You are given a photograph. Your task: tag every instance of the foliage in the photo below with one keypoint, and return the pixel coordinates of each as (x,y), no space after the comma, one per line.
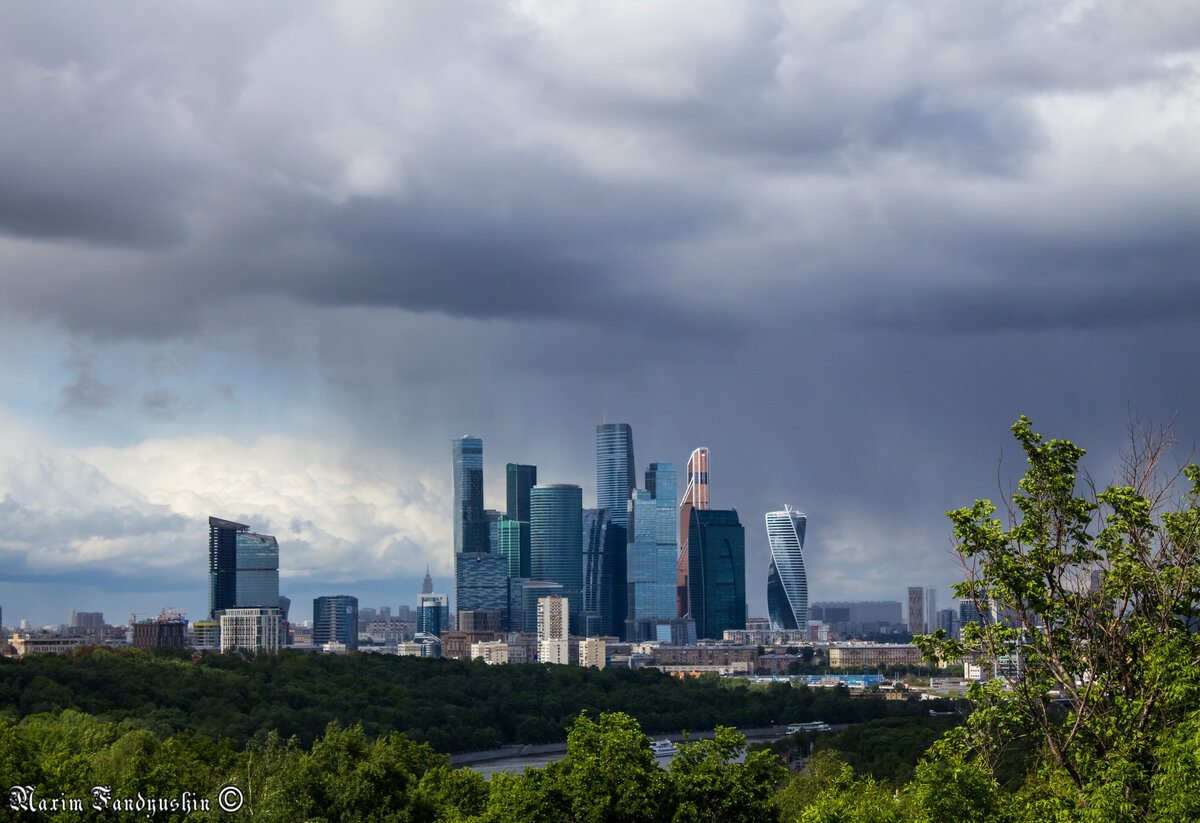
(1092,602)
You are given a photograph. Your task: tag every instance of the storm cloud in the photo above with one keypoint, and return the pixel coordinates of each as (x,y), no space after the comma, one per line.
(842,246)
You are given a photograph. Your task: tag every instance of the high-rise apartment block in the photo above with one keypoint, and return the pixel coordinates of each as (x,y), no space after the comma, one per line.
(553,615)
(251,629)
(335,620)
(916,610)
(716,571)
(787,581)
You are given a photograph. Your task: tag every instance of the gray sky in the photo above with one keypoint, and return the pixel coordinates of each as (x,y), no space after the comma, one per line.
(264,262)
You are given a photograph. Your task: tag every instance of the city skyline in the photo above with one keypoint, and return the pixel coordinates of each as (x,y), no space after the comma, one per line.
(266,264)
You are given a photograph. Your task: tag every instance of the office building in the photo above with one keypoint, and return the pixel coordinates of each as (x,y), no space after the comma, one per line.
(604,574)
(481,582)
(335,620)
(695,497)
(661,483)
(615,479)
(470,523)
(433,614)
(916,610)
(552,630)
(519,481)
(716,572)
(251,629)
(931,609)
(510,545)
(556,538)
(787,582)
(166,630)
(243,568)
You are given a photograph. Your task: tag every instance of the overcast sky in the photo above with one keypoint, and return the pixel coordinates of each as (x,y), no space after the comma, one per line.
(264,261)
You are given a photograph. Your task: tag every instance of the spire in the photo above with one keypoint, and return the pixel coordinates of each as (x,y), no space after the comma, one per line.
(427,585)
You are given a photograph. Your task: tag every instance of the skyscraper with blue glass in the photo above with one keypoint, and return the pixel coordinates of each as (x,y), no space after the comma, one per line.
(519,479)
(243,568)
(470,523)
(556,538)
(335,620)
(787,581)
(615,479)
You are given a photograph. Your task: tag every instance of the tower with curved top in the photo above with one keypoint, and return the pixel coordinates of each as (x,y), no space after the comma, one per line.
(787,582)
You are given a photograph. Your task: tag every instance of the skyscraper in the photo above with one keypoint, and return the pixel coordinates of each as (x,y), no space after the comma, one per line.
(335,620)
(916,610)
(481,583)
(642,563)
(433,614)
(615,479)
(695,496)
(716,571)
(661,483)
(931,609)
(787,582)
(556,538)
(243,568)
(519,479)
(470,525)
(603,605)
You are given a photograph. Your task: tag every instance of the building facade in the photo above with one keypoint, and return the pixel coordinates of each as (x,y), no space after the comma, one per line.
(556,535)
(695,497)
(481,582)
(251,629)
(787,581)
(335,620)
(470,524)
(553,615)
(716,571)
(519,481)
(916,610)
(433,614)
(615,478)
(243,568)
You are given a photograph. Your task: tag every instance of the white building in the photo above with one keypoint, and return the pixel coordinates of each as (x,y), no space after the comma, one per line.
(251,629)
(552,624)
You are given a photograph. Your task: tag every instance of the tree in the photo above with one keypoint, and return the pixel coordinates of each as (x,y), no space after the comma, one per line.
(1091,600)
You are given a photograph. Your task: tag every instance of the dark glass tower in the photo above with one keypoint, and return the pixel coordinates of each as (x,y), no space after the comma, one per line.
(519,480)
(470,523)
(243,568)
(615,479)
(716,571)
(556,539)
(335,620)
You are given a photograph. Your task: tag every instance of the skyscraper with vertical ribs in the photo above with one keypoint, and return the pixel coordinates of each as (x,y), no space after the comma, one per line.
(470,524)
(787,582)
(695,497)
(615,479)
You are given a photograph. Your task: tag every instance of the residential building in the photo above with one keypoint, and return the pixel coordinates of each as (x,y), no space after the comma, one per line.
(716,571)
(335,620)
(916,610)
(531,592)
(553,614)
(251,629)
(168,629)
(592,652)
(787,581)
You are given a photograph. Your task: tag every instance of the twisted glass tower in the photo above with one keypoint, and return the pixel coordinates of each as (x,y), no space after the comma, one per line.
(787,583)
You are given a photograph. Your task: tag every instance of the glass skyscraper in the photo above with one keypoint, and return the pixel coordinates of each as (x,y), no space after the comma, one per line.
(660,482)
(787,582)
(695,496)
(556,538)
(481,582)
(519,479)
(433,614)
(615,479)
(470,524)
(335,620)
(716,572)
(243,568)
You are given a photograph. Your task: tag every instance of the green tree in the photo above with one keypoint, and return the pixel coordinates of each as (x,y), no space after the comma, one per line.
(1092,599)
